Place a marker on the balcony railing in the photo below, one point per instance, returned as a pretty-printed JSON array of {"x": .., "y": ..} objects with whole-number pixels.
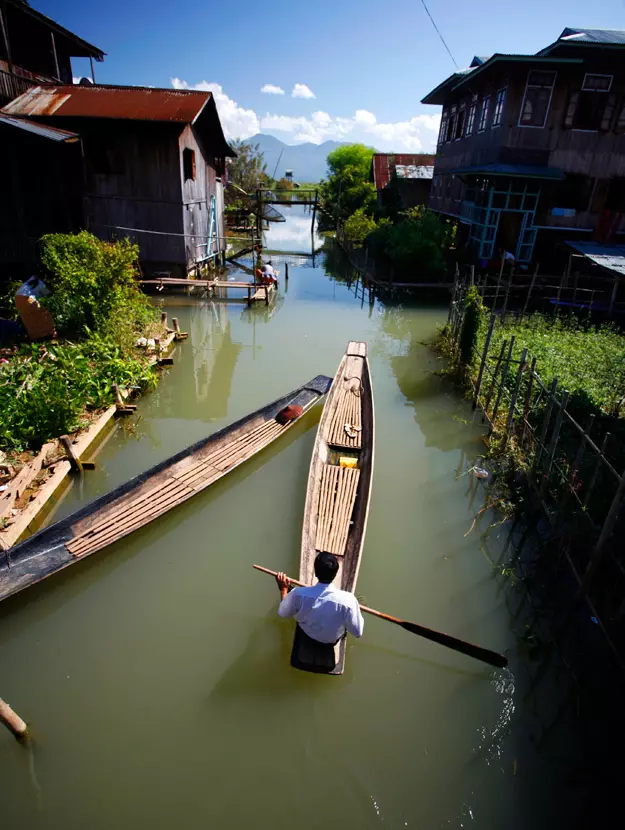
[{"x": 12, "y": 86}]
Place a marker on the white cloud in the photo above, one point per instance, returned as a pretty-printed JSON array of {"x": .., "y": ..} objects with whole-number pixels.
[
  {"x": 236, "y": 121},
  {"x": 302, "y": 91},
  {"x": 270, "y": 89},
  {"x": 418, "y": 134}
]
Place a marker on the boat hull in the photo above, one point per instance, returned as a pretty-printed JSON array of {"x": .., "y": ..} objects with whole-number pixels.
[{"x": 151, "y": 494}]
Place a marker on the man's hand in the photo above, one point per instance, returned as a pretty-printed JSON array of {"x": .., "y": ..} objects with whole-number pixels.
[{"x": 283, "y": 584}]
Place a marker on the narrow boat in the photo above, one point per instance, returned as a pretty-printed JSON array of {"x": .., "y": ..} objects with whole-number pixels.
[
  {"x": 338, "y": 494},
  {"x": 147, "y": 496}
]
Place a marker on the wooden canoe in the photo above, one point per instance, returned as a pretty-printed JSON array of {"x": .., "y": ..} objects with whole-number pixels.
[
  {"x": 147, "y": 496},
  {"x": 337, "y": 498}
]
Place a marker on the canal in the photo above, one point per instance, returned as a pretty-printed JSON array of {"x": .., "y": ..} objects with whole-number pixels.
[{"x": 156, "y": 674}]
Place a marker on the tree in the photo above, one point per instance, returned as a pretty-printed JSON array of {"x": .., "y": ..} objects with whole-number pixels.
[
  {"x": 348, "y": 188},
  {"x": 245, "y": 171},
  {"x": 358, "y": 227}
]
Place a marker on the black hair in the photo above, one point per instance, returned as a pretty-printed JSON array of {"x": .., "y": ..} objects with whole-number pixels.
[{"x": 326, "y": 567}]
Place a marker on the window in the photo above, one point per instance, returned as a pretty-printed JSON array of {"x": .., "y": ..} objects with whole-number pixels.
[
  {"x": 498, "y": 111},
  {"x": 451, "y": 125},
  {"x": 188, "y": 163},
  {"x": 471, "y": 118},
  {"x": 443, "y": 128},
  {"x": 484, "y": 114},
  {"x": 597, "y": 83},
  {"x": 459, "y": 132},
  {"x": 537, "y": 98},
  {"x": 590, "y": 110}
]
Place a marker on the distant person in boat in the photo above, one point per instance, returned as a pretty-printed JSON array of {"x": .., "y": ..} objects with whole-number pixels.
[
  {"x": 323, "y": 612},
  {"x": 267, "y": 274}
]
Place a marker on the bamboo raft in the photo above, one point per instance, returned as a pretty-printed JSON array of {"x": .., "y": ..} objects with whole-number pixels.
[
  {"x": 337, "y": 498},
  {"x": 148, "y": 496}
]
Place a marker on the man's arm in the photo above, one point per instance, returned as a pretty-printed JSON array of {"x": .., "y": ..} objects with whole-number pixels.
[
  {"x": 288, "y": 601},
  {"x": 354, "y": 622}
]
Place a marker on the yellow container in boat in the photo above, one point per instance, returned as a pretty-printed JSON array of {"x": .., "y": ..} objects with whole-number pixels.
[{"x": 351, "y": 463}]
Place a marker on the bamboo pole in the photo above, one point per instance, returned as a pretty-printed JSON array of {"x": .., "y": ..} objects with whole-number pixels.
[
  {"x": 515, "y": 394},
  {"x": 503, "y": 261},
  {"x": 478, "y": 385},
  {"x": 13, "y": 721},
  {"x": 504, "y": 370},
  {"x": 73, "y": 459},
  {"x": 528, "y": 399},
  {"x": 595, "y": 472},
  {"x": 164, "y": 318},
  {"x": 494, "y": 374},
  {"x": 555, "y": 437},
  {"x": 545, "y": 426},
  {"x": 606, "y": 532}
]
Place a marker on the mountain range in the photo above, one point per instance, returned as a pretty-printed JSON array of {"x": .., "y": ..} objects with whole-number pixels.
[{"x": 307, "y": 161}]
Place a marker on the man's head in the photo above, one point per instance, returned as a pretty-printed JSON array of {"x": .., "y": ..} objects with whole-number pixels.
[
  {"x": 326, "y": 567},
  {"x": 269, "y": 262}
]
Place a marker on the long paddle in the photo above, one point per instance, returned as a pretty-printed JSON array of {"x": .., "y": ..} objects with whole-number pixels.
[{"x": 484, "y": 654}]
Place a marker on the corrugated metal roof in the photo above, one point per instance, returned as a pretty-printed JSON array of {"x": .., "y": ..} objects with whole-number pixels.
[
  {"x": 526, "y": 171},
  {"x": 39, "y": 129},
  {"x": 610, "y": 36},
  {"x": 413, "y": 171},
  {"x": 383, "y": 165},
  {"x": 132, "y": 103},
  {"x": 610, "y": 257}
]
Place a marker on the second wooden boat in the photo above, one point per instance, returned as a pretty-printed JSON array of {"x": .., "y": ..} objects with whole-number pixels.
[
  {"x": 149, "y": 495},
  {"x": 338, "y": 494}
]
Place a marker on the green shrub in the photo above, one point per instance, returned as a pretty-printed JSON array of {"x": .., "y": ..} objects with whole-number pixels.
[
  {"x": 474, "y": 311},
  {"x": 358, "y": 227},
  {"x": 419, "y": 241},
  {"x": 94, "y": 284}
]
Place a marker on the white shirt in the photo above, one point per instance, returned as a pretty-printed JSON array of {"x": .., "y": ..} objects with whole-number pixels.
[{"x": 323, "y": 612}]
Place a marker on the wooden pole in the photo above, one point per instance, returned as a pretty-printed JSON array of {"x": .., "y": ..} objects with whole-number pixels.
[
  {"x": 56, "y": 59},
  {"x": 515, "y": 394},
  {"x": 528, "y": 400},
  {"x": 92, "y": 69},
  {"x": 176, "y": 325},
  {"x": 13, "y": 721},
  {"x": 555, "y": 437},
  {"x": 478, "y": 385},
  {"x": 73, "y": 459},
  {"x": 493, "y": 381},
  {"x": 531, "y": 288},
  {"x": 595, "y": 472},
  {"x": 606, "y": 532},
  {"x": 503, "y": 261},
  {"x": 613, "y": 296},
  {"x": 545, "y": 426},
  {"x": 504, "y": 371},
  {"x": 164, "y": 318},
  {"x": 286, "y": 271}
]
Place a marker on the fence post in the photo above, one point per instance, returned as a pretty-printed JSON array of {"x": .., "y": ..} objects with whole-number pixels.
[
  {"x": 480, "y": 375},
  {"x": 543, "y": 431},
  {"x": 505, "y": 302},
  {"x": 515, "y": 394},
  {"x": 489, "y": 397},
  {"x": 503, "y": 377},
  {"x": 503, "y": 261},
  {"x": 555, "y": 437},
  {"x": 606, "y": 530},
  {"x": 528, "y": 399},
  {"x": 531, "y": 288},
  {"x": 595, "y": 472},
  {"x": 13, "y": 721}
]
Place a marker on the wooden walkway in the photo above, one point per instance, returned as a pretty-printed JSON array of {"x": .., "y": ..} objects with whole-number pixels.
[{"x": 256, "y": 293}]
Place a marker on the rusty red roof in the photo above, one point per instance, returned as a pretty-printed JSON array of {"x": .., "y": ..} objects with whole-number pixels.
[
  {"x": 121, "y": 102},
  {"x": 383, "y": 165}
]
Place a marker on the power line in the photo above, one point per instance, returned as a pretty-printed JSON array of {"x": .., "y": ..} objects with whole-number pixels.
[{"x": 439, "y": 34}]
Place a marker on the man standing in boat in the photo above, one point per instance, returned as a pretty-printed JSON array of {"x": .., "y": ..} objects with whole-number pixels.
[{"x": 323, "y": 612}]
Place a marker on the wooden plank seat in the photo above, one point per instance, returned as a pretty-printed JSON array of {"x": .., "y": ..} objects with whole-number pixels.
[
  {"x": 178, "y": 486},
  {"x": 337, "y": 495},
  {"x": 348, "y": 413}
]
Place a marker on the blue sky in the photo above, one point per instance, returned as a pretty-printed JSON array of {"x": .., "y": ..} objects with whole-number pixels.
[{"x": 365, "y": 64}]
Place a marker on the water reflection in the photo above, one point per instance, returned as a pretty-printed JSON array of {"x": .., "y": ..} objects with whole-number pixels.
[{"x": 296, "y": 234}]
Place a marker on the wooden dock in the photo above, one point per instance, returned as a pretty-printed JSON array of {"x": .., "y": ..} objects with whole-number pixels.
[{"x": 256, "y": 292}]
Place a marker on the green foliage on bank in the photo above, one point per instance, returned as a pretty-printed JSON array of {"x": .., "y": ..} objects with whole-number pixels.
[
  {"x": 347, "y": 188},
  {"x": 358, "y": 227},
  {"x": 587, "y": 360},
  {"x": 47, "y": 388},
  {"x": 417, "y": 242}
]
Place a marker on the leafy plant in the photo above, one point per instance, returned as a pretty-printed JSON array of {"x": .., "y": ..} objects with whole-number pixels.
[
  {"x": 474, "y": 309},
  {"x": 358, "y": 227},
  {"x": 348, "y": 188}
]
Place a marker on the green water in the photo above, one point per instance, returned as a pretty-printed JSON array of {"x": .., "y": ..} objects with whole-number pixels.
[{"x": 155, "y": 674}]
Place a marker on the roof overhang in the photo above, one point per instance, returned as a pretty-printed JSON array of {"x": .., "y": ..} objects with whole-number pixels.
[
  {"x": 80, "y": 48},
  {"x": 455, "y": 82},
  {"x": 521, "y": 171},
  {"x": 609, "y": 257},
  {"x": 41, "y": 130}
]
